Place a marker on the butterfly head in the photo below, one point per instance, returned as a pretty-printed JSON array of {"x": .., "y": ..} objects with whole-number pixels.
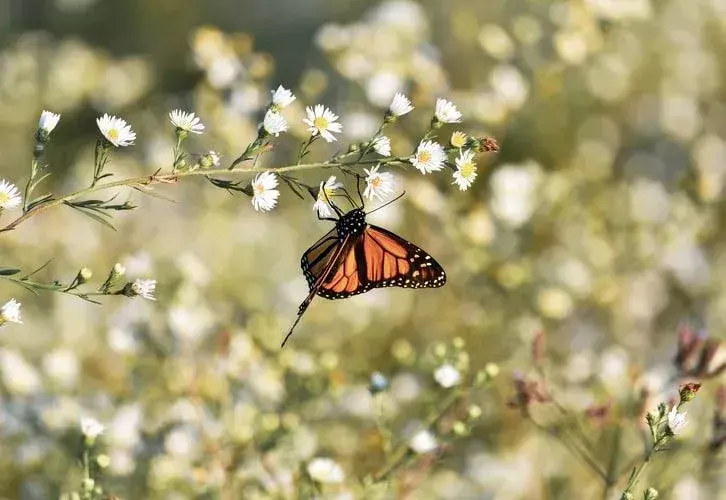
[{"x": 352, "y": 223}]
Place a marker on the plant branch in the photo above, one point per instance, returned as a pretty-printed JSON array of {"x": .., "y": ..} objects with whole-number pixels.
[
  {"x": 399, "y": 456},
  {"x": 145, "y": 181}
]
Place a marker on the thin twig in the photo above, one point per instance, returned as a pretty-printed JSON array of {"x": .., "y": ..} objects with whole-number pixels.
[{"x": 168, "y": 178}]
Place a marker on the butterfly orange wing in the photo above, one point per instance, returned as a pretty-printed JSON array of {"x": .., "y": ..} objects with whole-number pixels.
[{"x": 379, "y": 258}]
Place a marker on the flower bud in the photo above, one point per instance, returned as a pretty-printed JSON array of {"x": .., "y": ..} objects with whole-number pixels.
[
  {"x": 378, "y": 383},
  {"x": 650, "y": 494},
  {"x": 84, "y": 275},
  {"x": 439, "y": 350},
  {"x": 103, "y": 461},
  {"x": 688, "y": 391},
  {"x": 474, "y": 412},
  {"x": 492, "y": 370},
  {"x": 460, "y": 428},
  {"x": 458, "y": 343},
  {"x": 627, "y": 496},
  {"x": 88, "y": 484}
]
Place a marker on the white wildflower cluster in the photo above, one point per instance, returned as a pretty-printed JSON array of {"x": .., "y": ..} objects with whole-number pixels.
[{"x": 274, "y": 123}]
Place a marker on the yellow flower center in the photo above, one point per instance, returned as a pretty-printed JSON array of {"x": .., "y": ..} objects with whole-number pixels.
[
  {"x": 258, "y": 189},
  {"x": 4, "y": 198},
  {"x": 424, "y": 156},
  {"x": 112, "y": 134},
  {"x": 321, "y": 123},
  {"x": 376, "y": 182},
  {"x": 467, "y": 170},
  {"x": 458, "y": 139}
]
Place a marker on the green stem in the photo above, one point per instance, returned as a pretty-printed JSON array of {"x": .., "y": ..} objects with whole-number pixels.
[
  {"x": 399, "y": 457},
  {"x": 611, "y": 476},
  {"x": 29, "y": 185},
  {"x": 638, "y": 471},
  {"x": 169, "y": 178}
]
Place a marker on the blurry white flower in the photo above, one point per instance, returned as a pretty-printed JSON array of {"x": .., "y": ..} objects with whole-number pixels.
[
  {"x": 48, "y": 121},
  {"x": 423, "y": 442},
  {"x": 144, "y": 288},
  {"x": 382, "y": 145},
  {"x": 676, "y": 420},
  {"x": 62, "y": 366},
  {"x": 186, "y": 121},
  {"x": 378, "y": 184},
  {"x": 447, "y": 376},
  {"x": 282, "y": 97},
  {"x": 9, "y": 195},
  {"x": 446, "y": 111},
  {"x": 515, "y": 190},
  {"x": 91, "y": 428},
  {"x": 322, "y": 121},
  {"x": 119, "y": 269},
  {"x": 10, "y": 312},
  {"x": 18, "y": 376},
  {"x": 400, "y": 105},
  {"x": 325, "y": 470},
  {"x": 429, "y": 157},
  {"x": 116, "y": 130},
  {"x": 264, "y": 193},
  {"x": 274, "y": 123},
  {"x": 325, "y": 193},
  {"x": 465, "y": 170}
]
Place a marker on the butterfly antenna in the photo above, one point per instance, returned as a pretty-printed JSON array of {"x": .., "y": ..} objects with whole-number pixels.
[
  {"x": 387, "y": 203},
  {"x": 330, "y": 202}
]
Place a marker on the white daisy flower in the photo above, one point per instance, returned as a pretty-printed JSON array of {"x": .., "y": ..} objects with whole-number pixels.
[
  {"x": 382, "y": 145},
  {"x": 9, "y": 195},
  {"x": 144, "y": 288},
  {"x": 325, "y": 193},
  {"x": 676, "y": 420},
  {"x": 282, "y": 97},
  {"x": 274, "y": 123},
  {"x": 48, "y": 121},
  {"x": 465, "y": 170},
  {"x": 429, "y": 157},
  {"x": 116, "y": 130},
  {"x": 188, "y": 122},
  {"x": 322, "y": 121},
  {"x": 447, "y": 376},
  {"x": 91, "y": 428},
  {"x": 378, "y": 184},
  {"x": 400, "y": 105},
  {"x": 446, "y": 112},
  {"x": 265, "y": 195},
  {"x": 423, "y": 442},
  {"x": 325, "y": 470},
  {"x": 10, "y": 312}
]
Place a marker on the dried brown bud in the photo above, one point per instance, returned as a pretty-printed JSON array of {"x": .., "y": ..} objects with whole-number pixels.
[
  {"x": 527, "y": 392},
  {"x": 688, "y": 391},
  {"x": 599, "y": 414},
  {"x": 489, "y": 144}
]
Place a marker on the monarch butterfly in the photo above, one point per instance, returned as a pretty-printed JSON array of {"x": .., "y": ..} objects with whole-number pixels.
[{"x": 355, "y": 257}]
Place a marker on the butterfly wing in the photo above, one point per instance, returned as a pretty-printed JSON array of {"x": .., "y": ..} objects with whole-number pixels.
[
  {"x": 378, "y": 258},
  {"x": 316, "y": 257}
]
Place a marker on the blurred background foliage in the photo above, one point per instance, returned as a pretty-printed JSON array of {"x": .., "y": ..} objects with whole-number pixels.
[{"x": 601, "y": 221}]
